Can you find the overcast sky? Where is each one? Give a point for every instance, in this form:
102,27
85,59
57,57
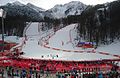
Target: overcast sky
47,4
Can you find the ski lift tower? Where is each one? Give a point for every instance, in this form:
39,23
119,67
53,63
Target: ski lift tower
3,16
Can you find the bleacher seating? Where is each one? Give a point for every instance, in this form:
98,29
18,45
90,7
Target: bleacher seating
55,65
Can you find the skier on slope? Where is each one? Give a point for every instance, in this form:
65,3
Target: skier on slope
62,43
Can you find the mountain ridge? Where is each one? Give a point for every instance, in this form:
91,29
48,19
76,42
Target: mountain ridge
71,8
58,11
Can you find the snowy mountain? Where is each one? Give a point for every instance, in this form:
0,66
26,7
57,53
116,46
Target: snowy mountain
29,11
16,9
42,12
32,11
71,8
38,9
17,3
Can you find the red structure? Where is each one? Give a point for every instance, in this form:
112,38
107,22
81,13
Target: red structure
55,65
7,45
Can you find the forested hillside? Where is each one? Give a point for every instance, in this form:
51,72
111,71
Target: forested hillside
100,23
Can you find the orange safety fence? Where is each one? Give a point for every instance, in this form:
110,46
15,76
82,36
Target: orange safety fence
82,51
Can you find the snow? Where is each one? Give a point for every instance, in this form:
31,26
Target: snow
13,39
33,29
71,8
61,40
58,11
113,48
35,7
17,3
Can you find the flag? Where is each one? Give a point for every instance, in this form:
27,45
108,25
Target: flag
1,12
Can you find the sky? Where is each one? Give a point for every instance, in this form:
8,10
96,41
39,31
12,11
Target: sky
47,4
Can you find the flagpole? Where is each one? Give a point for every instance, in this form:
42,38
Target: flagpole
2,15
2,34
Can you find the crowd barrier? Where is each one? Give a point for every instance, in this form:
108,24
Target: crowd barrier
55,65
82,51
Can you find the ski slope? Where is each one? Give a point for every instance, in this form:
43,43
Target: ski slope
63,39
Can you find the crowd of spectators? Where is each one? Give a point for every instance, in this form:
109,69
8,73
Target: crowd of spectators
30,68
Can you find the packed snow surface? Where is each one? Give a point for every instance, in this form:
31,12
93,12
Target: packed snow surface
63,39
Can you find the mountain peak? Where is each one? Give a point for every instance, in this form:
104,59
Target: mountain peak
18,3
74,3
71,8
58,5
35,7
